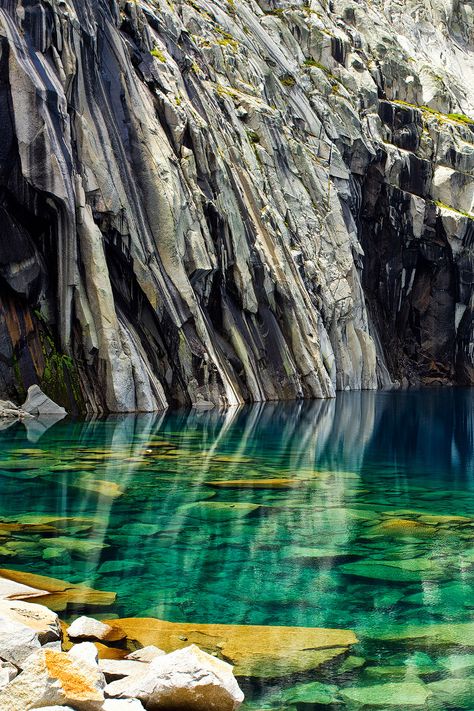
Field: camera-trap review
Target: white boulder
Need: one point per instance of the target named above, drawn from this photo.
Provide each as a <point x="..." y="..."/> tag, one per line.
<point x="89" y="628"/>
<point x="188" y="679"/>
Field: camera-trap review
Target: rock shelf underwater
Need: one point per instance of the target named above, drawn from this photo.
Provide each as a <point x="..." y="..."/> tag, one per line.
<point x="355" y="515"/>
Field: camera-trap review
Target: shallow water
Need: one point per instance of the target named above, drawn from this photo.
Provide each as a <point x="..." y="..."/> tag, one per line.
<point x="371" y="531"/>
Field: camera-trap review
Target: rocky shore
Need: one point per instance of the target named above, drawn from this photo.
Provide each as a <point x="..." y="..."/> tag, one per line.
<point x="36" y="671"/>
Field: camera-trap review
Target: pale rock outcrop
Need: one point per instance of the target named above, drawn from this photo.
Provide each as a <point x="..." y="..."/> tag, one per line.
<point x="186" y="679"/>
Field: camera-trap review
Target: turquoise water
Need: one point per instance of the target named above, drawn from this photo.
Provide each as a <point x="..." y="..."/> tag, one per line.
<point x="370" y="528"/>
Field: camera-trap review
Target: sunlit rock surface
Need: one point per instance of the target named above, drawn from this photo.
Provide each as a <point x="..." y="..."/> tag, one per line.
<point x="216" y="202"/>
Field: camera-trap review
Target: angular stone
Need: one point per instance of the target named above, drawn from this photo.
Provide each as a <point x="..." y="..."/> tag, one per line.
<point x="311" y="693"/>
<point x="403" y="527"/>
<point x="455" y="634"/>
<point x="258" y="651"/>
<point x="453" y="693"/>
<point x="188" y="678"/>
<point x="39" y="404"/>
<point x="80" y="547"/>
<point x="89" y="628"/>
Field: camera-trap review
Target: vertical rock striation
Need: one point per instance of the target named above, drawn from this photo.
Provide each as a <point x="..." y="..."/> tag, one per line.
<point x="216" y="202"/>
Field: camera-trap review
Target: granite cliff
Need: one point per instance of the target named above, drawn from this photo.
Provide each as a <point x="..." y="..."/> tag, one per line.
<point x="211" y="201"/>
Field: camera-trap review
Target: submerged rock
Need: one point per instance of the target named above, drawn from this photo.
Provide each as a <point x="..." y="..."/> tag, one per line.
<point x="397" y="695"/>
<point x="187" y="679"/>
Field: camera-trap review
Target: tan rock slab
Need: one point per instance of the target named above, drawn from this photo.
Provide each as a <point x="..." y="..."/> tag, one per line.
<point x="57" y="594"/>
<point x="257" y="651"/>
<point x="256" y="483"/>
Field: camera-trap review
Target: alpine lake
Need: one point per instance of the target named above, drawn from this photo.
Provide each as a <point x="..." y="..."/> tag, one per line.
<point x="354" y="516"/>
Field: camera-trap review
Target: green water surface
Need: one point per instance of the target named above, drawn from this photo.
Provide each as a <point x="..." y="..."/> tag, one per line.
<point x="373" y="531"/>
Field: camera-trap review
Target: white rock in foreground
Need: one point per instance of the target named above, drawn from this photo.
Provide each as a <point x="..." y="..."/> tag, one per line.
<point x="38" y="618"/>
<point x="188" y="679"/>
<point x="50" y="678"/>
<point x="87" y="628"/>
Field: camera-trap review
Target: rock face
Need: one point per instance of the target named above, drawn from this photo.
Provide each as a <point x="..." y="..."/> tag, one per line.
<point x="217" y="202"/>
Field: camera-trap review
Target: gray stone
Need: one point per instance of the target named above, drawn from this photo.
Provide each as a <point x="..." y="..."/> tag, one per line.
<point x="39" y="404"/>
